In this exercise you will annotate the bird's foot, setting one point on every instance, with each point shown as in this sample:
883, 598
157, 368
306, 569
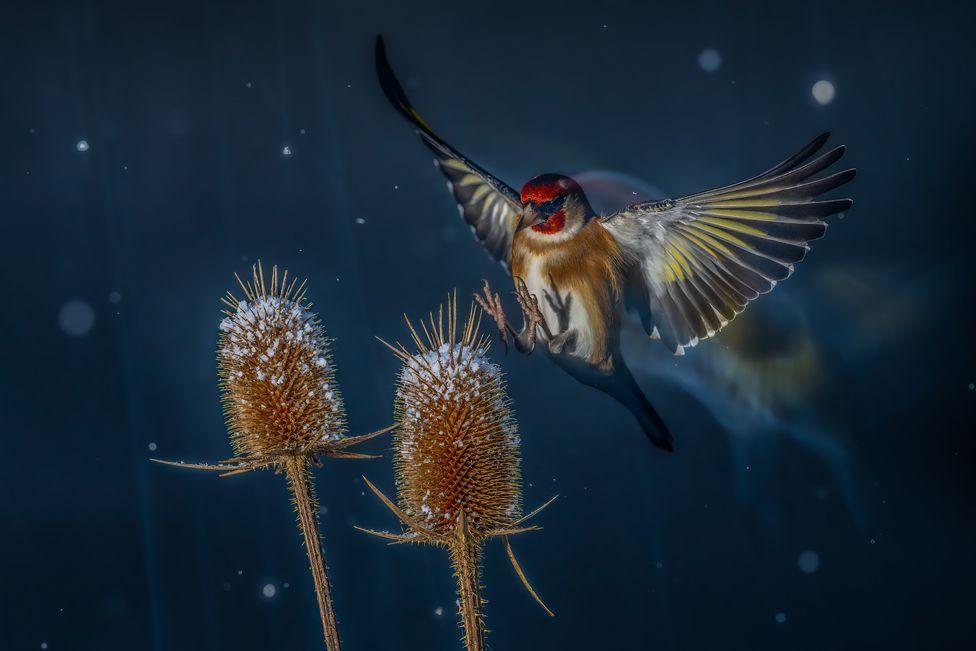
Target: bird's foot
559, 303
491, 303
565, 340
532, 315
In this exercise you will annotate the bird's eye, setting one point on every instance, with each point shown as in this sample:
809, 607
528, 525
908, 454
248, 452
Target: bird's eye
552, 205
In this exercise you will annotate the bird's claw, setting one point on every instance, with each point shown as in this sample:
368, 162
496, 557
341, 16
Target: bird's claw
563, 341
559, 304
530, 309
491, 303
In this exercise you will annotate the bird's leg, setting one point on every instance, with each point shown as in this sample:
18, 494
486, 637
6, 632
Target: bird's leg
525, 339
532, 318
560, 305
491, 303
565, 340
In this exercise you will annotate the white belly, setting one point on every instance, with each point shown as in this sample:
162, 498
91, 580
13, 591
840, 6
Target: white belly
538, 283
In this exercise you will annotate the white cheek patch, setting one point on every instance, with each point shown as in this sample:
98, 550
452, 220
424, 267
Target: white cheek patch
552, 238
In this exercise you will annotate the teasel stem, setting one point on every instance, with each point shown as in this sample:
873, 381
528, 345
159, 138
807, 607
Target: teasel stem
465, 557
296, 468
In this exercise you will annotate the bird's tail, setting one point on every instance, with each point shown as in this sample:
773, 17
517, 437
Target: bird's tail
624, 388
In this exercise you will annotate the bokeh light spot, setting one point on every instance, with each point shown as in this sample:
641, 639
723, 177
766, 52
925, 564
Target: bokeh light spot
76, 318
823, 92
710, 60
808, 561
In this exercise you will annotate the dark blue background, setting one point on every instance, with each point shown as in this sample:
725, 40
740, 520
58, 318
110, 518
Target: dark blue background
854, 444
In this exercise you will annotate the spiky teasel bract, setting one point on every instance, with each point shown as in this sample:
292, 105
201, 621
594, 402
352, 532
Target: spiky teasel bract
456, 454
456, 450
277, 382
281, 403
276, 375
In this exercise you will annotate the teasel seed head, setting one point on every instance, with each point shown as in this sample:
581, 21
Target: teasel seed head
281, 404
456, 456
276, 377
456, 447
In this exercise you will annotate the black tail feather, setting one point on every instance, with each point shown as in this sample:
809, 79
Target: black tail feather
629, 394
623, 388
398, 97
391, 87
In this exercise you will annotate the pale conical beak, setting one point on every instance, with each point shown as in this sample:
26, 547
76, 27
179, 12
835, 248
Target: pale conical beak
530, 217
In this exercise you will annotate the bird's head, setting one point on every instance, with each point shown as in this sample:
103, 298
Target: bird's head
553, 204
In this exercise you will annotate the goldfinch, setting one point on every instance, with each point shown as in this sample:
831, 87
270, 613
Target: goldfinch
686, 266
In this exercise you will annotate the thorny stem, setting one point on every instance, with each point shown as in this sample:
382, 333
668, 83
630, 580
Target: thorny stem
465, 554
298, 481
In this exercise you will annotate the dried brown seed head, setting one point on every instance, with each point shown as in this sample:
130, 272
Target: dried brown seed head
457, 447
276, 377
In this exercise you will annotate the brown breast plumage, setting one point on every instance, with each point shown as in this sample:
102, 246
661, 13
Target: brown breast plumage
590, 266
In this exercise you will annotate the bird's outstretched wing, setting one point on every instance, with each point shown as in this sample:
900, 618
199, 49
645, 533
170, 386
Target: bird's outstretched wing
490, 207
700, 259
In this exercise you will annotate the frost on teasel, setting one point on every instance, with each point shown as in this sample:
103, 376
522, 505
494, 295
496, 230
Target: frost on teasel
456, 447
456, 456
282, 406
276, 376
